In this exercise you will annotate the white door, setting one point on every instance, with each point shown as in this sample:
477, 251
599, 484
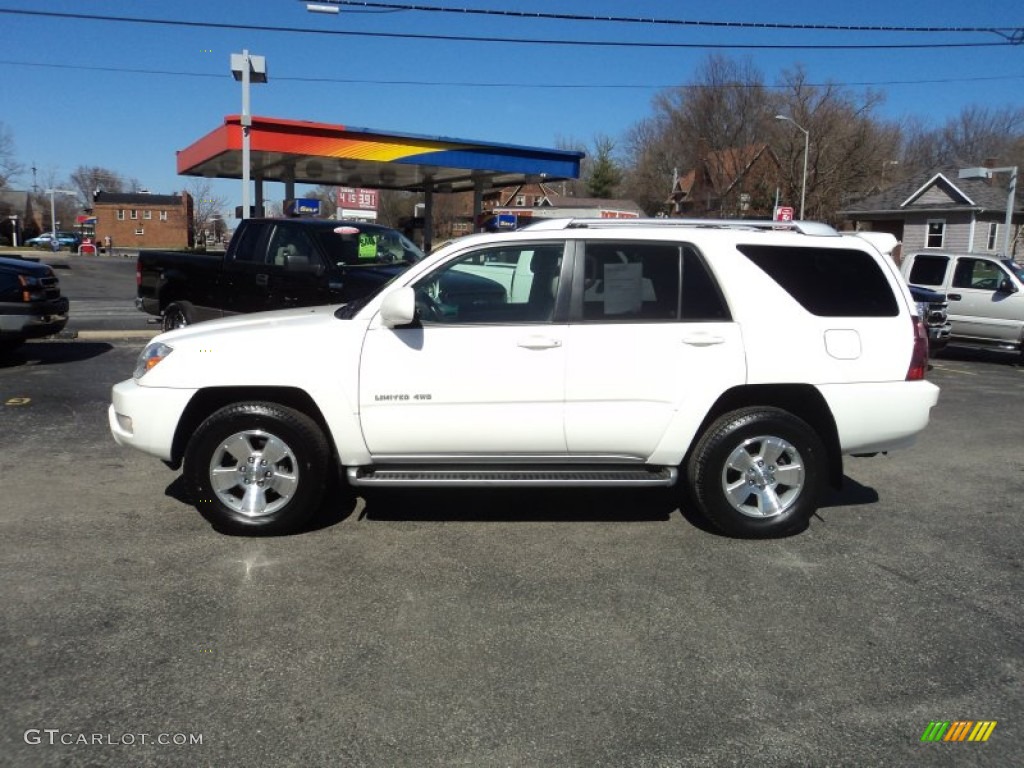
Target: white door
479, 374
644, 347
977, 308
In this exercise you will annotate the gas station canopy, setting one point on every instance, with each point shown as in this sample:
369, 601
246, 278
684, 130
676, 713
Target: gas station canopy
293, 151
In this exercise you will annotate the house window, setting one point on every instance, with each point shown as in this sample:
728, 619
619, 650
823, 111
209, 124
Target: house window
936, 236
120, 214
147, 215
135, 214
520, 201
993, 229
163, 215
140, 231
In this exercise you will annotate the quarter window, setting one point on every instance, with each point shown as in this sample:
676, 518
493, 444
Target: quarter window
828, 282
936, 235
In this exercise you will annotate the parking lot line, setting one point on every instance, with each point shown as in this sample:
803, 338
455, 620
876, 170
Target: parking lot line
946, 369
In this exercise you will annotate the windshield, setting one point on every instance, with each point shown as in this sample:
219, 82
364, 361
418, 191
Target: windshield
1017, 269
358, 244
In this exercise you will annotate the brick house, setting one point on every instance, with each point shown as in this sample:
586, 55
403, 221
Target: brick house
142, 220
937, 209
739, 183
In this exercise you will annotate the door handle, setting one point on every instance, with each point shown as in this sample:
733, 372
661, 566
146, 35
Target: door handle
261, 279
954, 296
539, 342
703, 339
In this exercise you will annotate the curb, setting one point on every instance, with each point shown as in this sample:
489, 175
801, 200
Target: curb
105, 335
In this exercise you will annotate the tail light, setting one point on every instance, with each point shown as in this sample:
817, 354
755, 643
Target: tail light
919, 357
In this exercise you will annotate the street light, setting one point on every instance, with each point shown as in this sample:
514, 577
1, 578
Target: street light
54, 240
986, 173
247, 69
807, 144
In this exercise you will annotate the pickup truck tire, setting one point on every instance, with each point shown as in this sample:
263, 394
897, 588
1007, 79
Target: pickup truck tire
758, 472
257, 468
178, 314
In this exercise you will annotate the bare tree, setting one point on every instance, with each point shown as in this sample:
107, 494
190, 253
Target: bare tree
90, 179
207, 209
328, 197
9, 165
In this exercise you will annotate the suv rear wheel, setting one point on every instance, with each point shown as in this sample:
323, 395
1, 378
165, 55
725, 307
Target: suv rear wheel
758, 472
257, 468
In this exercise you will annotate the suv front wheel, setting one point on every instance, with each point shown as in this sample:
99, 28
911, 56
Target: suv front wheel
758, 472
257, 468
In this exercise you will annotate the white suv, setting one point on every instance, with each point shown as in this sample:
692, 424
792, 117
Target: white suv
739, 357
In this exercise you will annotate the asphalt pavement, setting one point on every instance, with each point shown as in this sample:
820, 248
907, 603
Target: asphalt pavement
503, 628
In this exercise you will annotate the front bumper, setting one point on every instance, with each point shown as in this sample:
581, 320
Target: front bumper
147, 418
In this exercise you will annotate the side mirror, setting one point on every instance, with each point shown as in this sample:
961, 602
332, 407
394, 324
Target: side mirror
1006, 286
398, 308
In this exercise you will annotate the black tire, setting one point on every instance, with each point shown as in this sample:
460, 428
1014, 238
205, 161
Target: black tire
178, 314
758, 472
272, 465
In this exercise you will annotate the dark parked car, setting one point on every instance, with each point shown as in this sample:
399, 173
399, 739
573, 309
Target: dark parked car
30, 302
272, 264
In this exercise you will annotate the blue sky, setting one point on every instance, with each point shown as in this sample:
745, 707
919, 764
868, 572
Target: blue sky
127, 96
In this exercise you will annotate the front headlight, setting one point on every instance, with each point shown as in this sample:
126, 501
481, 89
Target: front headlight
151, 356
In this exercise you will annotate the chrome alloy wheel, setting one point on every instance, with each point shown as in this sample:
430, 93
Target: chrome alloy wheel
763, 476
254, 473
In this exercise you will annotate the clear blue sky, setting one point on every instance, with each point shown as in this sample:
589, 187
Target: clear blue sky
127, 96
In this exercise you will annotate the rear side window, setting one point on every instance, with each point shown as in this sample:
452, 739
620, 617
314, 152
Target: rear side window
828, 282
625, 281
928, 270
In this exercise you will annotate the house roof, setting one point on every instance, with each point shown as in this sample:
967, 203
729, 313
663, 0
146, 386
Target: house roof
724, 168
954, 193
135, 198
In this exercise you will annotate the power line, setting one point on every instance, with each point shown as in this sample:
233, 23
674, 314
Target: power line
514, 40
1012, 33
516, 84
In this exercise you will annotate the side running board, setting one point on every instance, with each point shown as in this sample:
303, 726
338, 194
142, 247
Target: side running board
519, 476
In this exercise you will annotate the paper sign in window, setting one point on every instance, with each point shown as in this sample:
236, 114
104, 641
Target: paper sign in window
623, 288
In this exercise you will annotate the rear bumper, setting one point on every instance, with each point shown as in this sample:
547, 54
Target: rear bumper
33, 321
880, 416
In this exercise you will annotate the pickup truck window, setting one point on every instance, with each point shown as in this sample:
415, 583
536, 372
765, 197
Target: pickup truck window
980, 274
928, 270
361, 244
827, 282
291, 247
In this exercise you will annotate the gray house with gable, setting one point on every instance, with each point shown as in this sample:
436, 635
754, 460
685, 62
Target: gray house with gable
939, 210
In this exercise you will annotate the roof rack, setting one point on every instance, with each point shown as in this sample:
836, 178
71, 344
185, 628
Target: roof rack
813, 228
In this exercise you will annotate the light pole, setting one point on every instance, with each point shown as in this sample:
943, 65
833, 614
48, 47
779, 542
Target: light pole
55, 241
986, 173
247, 69
807, 144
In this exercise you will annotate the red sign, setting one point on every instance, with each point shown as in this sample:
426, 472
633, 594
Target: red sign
784, 213
358, 198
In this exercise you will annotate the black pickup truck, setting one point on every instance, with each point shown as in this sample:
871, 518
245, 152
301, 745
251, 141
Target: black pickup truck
272, 264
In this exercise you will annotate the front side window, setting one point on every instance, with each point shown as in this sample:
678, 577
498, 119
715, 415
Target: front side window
936, 234
291, 247
980, 274
627, 281
502, 284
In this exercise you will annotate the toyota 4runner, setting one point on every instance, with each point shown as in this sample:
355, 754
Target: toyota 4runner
739, 360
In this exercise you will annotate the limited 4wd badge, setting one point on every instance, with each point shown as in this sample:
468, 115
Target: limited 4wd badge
384, 398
